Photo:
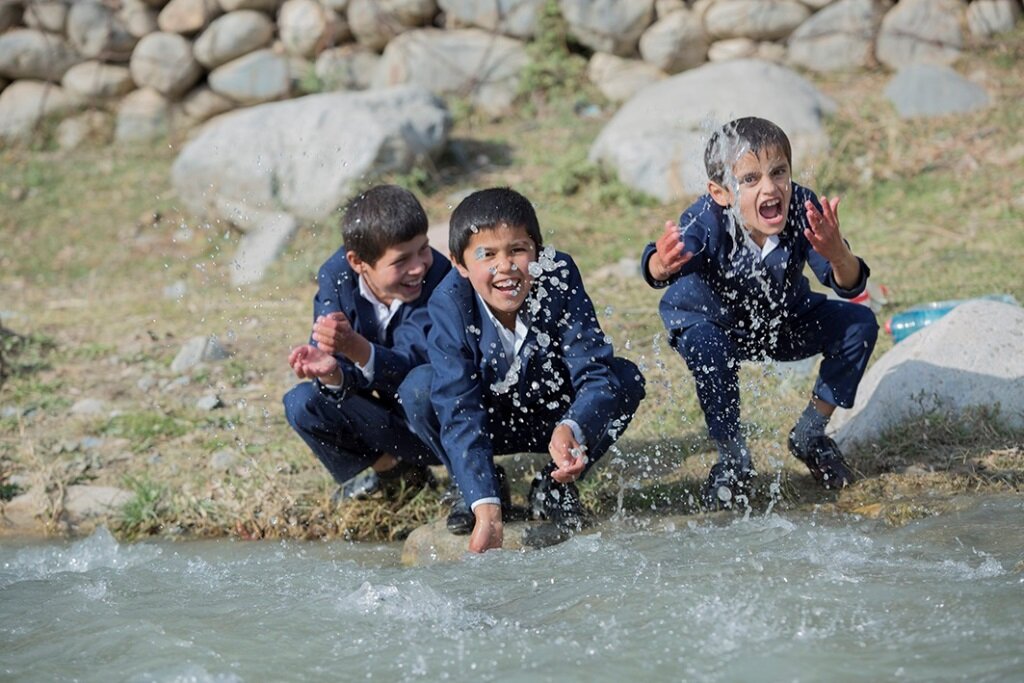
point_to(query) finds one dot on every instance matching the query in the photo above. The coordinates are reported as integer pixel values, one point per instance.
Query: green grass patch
(144, 429)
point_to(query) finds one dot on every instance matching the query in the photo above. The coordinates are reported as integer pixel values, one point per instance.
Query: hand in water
(489, 531)
(670, 255)
(309, 362)
(567, 453)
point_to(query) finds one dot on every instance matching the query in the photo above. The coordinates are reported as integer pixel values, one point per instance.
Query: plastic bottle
(902, 325)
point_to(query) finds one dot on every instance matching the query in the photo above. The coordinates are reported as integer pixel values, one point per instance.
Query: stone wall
(158, 65)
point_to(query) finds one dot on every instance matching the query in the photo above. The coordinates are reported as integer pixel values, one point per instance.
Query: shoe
(389, 483)
(556, 502)
(728, 487)
(461, 519)
(825, 461)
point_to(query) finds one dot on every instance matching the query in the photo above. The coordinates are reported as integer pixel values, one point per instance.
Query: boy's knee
(414, 393)
(864, 325)
(703, 342)
(632, 382)
(296, 402)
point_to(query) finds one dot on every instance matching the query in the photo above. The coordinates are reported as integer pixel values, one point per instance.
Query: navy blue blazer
(404, 345)
(727, 284)
(564, 344)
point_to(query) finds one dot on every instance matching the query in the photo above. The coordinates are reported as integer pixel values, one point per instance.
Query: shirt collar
(381, 311)
(511, 340)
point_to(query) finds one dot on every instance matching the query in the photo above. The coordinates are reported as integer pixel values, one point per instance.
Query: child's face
(399, 272)
(498, 266)
(760, 188)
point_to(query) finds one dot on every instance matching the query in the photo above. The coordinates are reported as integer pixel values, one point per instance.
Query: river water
(787, 597)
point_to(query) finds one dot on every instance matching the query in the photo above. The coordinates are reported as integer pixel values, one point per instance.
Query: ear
(463, 271)
(722, 196)
(354, 261)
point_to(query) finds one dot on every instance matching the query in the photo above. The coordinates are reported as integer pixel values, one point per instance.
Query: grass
(935, 207)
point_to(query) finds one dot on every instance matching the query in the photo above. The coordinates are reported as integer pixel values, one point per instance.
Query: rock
(83, 504)
(675, 43)
(260, 76)
(754, 19)
(655, 142)
(187, 16)
(10, 14)
(612, 26)
(920, 375)
(988, 17)
(201, 104)
(88, 407)
(138, 18)
(306, 156)
(260, 5)
(732, 48)
(351, 67)
(231, 36)
(72, 132)
(143, 115)
(209, 402)
(662, 8)
(618, 78)
(223, 460)
(375, 22)
(164, 62)
(468, 62)
(626, 268)
(266, 238)
(514, 18)
(921, 31)
(933, 90)
(98, 32)
(95, 81)
(305, 27)
(198, 350)
(146, 383)
(433, 542)
(839, 37)
(30, 54)
(23, 104)
(46, 15)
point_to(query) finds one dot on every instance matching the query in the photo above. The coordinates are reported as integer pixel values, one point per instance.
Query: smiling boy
(369, 330)
(733, 267)
(518, 363)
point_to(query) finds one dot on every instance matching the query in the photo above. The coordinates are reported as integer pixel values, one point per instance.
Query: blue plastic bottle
(902, 325)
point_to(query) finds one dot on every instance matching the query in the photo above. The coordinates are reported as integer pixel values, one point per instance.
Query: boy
(369, 330)
(736, 291)
(518, 363)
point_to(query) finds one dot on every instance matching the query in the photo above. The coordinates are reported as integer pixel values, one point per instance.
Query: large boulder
(164, 62)
(305, 156)
(98, 32)
(46, 15)
(675, 43)
(433, 543)
(934, 90)
(467, 62)
(612, 26)
(28, 53)
(619, 78)
(989, 17)
(94, 81)
(231, 36)
(921, 31)
(973, 357)
(515, 18)
(839, 37)
(655, 142)
(305, 27)
(24, 103)
(188, 16)
(143, 115)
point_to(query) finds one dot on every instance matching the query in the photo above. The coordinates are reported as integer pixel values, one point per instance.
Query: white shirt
(383, 314)
(770, 243)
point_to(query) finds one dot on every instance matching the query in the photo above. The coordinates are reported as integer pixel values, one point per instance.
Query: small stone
(146, 382)
(223, 460)
(88, 406)
(209, 402)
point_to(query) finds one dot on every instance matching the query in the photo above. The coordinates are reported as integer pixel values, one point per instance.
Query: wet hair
(751, 134)
(489, 209)
(379, 218)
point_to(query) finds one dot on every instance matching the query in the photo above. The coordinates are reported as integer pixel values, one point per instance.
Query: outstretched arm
(670, 254)
(825, 238)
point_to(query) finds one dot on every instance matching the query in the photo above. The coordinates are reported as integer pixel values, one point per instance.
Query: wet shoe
(728, 487)
(558, 503)
(461, 519)
(389, 483)
(825, 461)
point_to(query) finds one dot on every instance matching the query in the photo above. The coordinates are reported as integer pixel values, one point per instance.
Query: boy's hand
(489, 531)
(825, 238)
(309, 362)
(567, 453)
(333, 333)
(670, 254)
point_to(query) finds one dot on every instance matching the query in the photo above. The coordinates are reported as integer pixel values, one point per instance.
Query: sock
(733, 451)
(810, 425)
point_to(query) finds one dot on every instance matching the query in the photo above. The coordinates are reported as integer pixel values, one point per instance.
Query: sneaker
(825, 461)
(556, 502)
(461, 519)
(389, 483)
(727, 488)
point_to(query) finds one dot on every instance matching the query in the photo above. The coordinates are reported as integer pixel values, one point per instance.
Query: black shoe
(461, 519)
(825, 461)
(389, 483)
(558, 503)
(728, 487)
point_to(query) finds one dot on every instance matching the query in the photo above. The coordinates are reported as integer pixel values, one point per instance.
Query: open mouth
(771, 210)
(508, 287)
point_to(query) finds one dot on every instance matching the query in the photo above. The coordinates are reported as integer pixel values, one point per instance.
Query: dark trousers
(843, 332)
(349, 435)
(512, 429)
